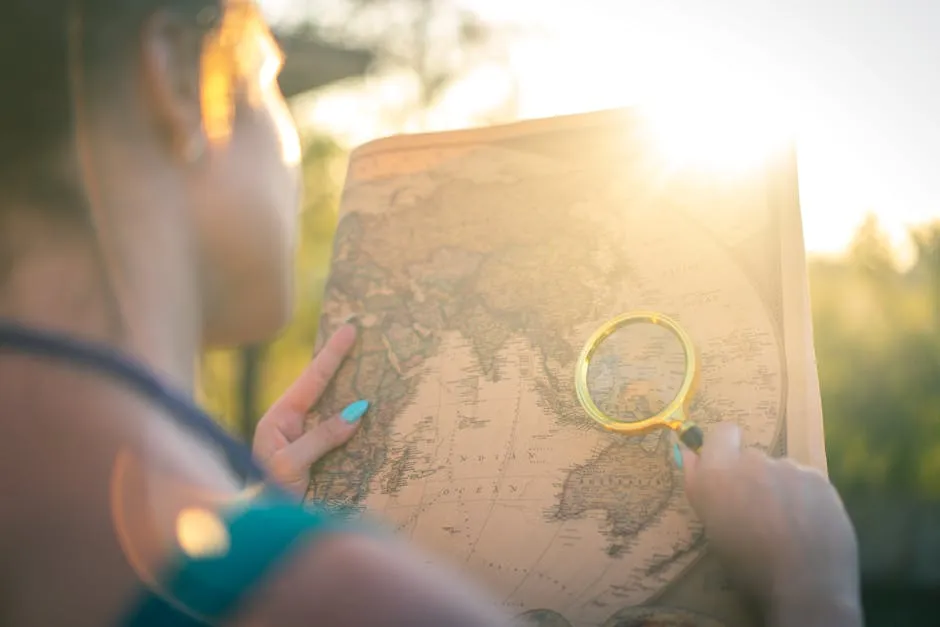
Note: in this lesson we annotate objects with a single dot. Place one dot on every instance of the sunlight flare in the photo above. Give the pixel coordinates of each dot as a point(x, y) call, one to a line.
point(719, 137)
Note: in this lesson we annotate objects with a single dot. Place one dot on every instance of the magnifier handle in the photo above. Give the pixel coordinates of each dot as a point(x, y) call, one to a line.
point(692, 437)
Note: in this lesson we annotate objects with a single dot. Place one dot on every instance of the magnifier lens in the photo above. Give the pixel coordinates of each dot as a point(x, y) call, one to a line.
point(636, 371)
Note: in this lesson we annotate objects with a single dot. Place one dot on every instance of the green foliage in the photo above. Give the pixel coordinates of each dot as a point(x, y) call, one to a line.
point(878, 354)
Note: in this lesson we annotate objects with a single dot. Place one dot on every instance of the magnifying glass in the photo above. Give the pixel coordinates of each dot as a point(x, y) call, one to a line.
point(675, 414)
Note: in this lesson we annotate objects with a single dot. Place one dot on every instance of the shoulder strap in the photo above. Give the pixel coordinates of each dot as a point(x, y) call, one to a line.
point(108, 362)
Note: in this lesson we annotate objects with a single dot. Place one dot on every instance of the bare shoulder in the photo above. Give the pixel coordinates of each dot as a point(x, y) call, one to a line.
point(88, 471)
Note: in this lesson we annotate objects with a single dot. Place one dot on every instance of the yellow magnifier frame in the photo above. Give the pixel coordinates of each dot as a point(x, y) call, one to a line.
point(675, 415)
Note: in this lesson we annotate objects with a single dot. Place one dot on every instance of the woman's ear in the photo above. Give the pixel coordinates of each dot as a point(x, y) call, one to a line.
point(170, 75)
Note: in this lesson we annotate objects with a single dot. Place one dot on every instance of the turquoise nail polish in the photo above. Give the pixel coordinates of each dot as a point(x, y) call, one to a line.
point(355, 411)
point(677, 456)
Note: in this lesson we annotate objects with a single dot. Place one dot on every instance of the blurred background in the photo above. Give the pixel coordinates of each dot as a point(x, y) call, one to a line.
point(854, 80)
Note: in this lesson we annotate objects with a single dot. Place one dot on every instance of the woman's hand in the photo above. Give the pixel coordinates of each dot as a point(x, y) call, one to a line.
point(281, 443)
point(780, 530)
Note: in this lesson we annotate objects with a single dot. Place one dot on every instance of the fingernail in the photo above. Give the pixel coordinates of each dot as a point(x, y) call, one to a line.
point(354, 412)
point(677, 456)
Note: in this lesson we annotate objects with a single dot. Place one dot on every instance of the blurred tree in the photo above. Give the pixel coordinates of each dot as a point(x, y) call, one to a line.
point(927, 269)
point(871, 251)
point(879, 364)
point(430, 45)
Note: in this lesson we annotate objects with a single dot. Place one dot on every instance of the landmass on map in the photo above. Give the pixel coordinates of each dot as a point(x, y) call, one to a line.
point(477, 264)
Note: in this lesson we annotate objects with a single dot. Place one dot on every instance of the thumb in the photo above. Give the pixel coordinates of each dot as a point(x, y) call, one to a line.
point(297, 457)
point(689, 465)
point(721, 448)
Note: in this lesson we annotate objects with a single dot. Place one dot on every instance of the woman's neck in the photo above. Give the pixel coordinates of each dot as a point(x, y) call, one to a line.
point(60, 284)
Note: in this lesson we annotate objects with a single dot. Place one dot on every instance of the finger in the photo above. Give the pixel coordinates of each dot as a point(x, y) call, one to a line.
point(689, 463)
point(321, 439)
point(722, 447)
point(311, 383)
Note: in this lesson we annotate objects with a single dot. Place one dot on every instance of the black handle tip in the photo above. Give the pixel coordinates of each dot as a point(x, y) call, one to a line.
point(692, 437)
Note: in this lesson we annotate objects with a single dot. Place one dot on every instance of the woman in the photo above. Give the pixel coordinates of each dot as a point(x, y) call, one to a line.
point(148, 185)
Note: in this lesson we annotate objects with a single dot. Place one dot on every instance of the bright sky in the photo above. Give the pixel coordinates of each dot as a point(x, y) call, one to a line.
point(854, 76)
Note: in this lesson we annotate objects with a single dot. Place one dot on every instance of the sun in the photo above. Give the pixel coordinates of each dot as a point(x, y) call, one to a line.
point(719, 137)
point(709, 103)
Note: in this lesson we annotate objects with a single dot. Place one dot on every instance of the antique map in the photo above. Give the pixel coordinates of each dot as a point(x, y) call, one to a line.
point(477, 263)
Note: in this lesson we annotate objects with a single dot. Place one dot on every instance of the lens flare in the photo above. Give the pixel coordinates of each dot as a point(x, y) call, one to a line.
point(201, 534)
